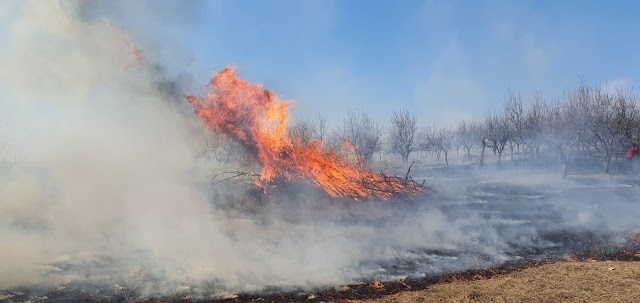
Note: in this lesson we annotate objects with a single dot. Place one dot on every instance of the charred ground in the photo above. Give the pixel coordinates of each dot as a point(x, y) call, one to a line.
point(470, 224)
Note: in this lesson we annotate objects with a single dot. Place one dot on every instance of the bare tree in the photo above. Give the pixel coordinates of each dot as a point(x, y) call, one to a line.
point(512, 143)
point(431, 140)
point(444, 142)
point(362, 132)
point(498, 133)
point(479, 133)
point(435, 142)
point(319, 127)
point(310, 130)
point(633, 136)
point(424, 139)
point(562, 128)
point(609, 118)
point(532, 130)
point(515, 115)
point(402, 132)
point(465, 137)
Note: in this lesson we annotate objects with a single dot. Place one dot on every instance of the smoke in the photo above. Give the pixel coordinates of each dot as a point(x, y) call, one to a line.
point(99, 148)
point(106, 184)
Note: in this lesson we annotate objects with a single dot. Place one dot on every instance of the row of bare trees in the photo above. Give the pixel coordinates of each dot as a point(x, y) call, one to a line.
point(585, 118)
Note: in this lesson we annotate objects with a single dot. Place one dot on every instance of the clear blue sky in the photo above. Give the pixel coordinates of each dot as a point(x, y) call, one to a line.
point(446, 60)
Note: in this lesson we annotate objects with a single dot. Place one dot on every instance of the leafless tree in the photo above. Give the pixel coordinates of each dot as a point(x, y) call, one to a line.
point(515, 115)
point(435, 141)
point(457, 144)
point(532, 131)
point(310, 130)
point(479, 132)
point(512, 143)
point(424, 139)
point(362, 132)
point(609, 118)
point(465, 137)
point(444, 141)
point(562, 127)
point(401, 134)
point(633, 135)
point(498, 133)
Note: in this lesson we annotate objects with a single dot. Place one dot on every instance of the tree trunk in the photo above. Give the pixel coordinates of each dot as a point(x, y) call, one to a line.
point(500, 157)
point(512, 154)
point(607, 163)
point(446, 159)
point(482, 155)
point(563, 162)
point(469, 153)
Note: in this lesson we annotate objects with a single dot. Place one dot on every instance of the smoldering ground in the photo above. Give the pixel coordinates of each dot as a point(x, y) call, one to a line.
point(108, 189)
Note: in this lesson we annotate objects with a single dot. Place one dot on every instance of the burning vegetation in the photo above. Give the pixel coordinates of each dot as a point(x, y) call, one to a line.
point(147, 233)
point(256, 119)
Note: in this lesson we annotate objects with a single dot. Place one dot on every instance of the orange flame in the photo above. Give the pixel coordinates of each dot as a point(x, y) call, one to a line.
point(376, 285)
point(256, 118)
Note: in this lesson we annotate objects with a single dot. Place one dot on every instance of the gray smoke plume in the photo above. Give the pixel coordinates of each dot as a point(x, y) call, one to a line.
point(107, 170)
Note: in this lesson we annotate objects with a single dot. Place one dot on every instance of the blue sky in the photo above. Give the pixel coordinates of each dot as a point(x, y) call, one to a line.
point(444, 60)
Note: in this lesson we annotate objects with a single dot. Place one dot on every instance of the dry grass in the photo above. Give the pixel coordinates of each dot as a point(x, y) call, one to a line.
point(608, 281)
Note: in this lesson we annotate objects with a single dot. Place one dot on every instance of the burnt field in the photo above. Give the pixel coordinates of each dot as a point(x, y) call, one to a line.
point(320, 161)
point(471, 224)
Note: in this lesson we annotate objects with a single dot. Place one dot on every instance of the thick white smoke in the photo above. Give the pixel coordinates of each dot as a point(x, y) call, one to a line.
point(98, 149)
point(107, 168)
point(104, 176)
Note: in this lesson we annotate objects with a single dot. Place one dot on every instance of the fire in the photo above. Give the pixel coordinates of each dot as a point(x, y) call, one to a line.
point(376, 285)
point(256, 118)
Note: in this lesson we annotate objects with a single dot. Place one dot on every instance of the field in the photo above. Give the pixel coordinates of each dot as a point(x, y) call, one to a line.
point(566, 280)
point(578, 282)
point(494, 225)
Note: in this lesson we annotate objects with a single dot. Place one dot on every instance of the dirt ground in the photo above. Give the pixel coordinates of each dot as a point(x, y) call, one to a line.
point(607, 281)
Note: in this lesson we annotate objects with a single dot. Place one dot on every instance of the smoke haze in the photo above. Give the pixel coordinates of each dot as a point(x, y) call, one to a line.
point(106, 184)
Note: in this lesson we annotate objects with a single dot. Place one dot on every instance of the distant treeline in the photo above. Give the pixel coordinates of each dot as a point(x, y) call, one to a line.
point(587, 117)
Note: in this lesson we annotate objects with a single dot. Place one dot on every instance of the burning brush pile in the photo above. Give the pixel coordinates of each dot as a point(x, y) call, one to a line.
point(256, 119)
